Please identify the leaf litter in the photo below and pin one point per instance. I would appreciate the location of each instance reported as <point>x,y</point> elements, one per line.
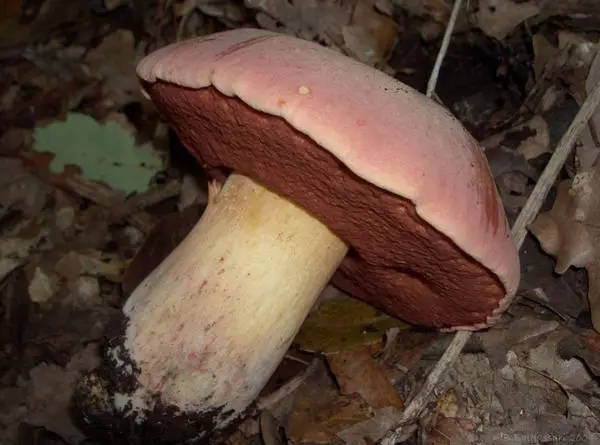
<point>91,199</point>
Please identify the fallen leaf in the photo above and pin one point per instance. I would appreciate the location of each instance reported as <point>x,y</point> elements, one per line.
<point>498,341</point>
<point>572,67</point>
<point>402,352</point>
<point>438,10</point>
<point>43,399</point>
<point>589,147</point>
<point>237,438</point>
<point>270,430</point>
<point>92,263</point>
<point>529,139</point>
<point>340,325</point>
<point>114,61</point>
<point>452,431</point>
<point>191,193</point>
<point>504,161</point>
<point>571,373</point>
<point>447,404</point>
<point>320,412</point>
<point>543,54</point>
<point>104,153</point>
<point>357,27</point>
<point>486,397</point>
<point>43,286</point>
<point>581,413</point>
<point>356,372</point>
<point>109,5</point>
<point>576,53</point>
<point>294,367</point>
<point>305,19</point>
<point>584,346</point>
<point>15,250</point>
<point>371,35</point>
<point>538,143</point>
<point>20,190</point>
<point>84,292</point>
<point>564,295</point>
<point>13,140</point>
<point>371,430</point>
<point>570,231</point>
<point>498,18</point>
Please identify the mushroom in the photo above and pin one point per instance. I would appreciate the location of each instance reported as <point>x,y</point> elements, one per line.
<point>324,168</point>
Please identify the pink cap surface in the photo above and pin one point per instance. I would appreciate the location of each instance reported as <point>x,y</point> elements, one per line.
<point>391,137</point>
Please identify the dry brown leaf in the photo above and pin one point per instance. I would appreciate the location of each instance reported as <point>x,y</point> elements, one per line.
<point>497,342</point>
<point>114,61</point>
<point>543,53</point>
<point>370,37</point>
<point>539,142</point>
<point>498,18</point>
<point>20,190</point>
<point>402,351</point>
<point>545,360</point>
<point>237,438</point>
<point>44,398</point>
<point>489,398</point>
<point>343,324</point>
<point>356,27</point>
<point>438,10</point>
<point>43,285</point>
<point>585,346</point>
<point>270,431</point>
<point>570,60</point>
<point>92,263</point>
<point>452,431</point>
<point>357,372</point>
<point>589,147</point>
<point>373,429</point>
<point>307,19</point>
<point>50,15</point>
<point>570,231</point>
<point>576,53</point>
<point>16,248</point>
<point>320,412</point>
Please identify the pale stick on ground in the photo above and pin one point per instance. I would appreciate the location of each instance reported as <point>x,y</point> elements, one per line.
<point>443,49</point>
<point>405,425</point>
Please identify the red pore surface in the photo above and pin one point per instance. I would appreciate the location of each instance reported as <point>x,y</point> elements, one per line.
<point>391,172</point>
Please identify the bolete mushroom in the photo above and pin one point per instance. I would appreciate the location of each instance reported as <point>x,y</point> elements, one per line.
<point>330,169</point>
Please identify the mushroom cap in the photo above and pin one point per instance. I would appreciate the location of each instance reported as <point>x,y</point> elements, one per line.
<point>390,171</point>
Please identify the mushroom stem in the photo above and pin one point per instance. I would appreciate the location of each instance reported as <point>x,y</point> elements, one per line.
<point>209,326</point>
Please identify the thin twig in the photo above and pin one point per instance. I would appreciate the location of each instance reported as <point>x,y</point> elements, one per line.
<point>519,231</point>
<point>413,410</point>
<point>435,73</point>
<point>550,173</point>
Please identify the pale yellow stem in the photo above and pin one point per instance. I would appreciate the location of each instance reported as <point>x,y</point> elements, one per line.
<point>209,326</point>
